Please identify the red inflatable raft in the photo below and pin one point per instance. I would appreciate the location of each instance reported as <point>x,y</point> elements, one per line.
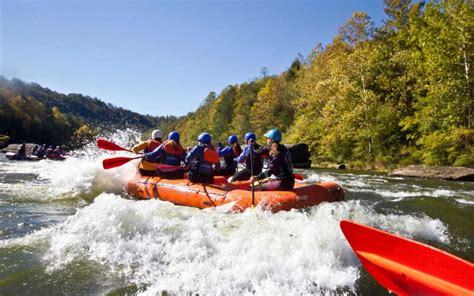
<point>183,192</point>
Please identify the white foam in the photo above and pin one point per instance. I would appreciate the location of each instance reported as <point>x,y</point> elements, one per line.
<point>80,173</point>
<point>465,201</point>
<point>162,247</point>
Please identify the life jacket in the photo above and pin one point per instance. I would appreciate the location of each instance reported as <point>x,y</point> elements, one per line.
<point>171,148</point>
<point>152,145</point>
<point>173,153</point>
<point>211,155</point>
<point>281,165</point>
<point>204,164</point>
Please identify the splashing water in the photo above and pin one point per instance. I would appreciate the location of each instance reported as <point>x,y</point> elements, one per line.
<point>102,241</point>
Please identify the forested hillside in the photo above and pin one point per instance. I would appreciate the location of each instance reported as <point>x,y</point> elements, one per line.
<point>401,93</point>
<point>397,94</point>
<point>29,112</point>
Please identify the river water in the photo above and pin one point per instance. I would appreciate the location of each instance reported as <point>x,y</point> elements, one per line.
<point>69,228</point>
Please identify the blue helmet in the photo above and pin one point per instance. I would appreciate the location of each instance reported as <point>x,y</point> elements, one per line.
<point>204,138</point>
<point>249,136</point>
<point>174,135</point>
<point>233,139</point>
<point>274,134</point>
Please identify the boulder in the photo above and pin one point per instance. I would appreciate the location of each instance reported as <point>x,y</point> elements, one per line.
<point>441,172</point>
<point>302,165</point>
<point>299,152</point>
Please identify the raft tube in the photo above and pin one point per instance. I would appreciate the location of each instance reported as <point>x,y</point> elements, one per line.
<point>183,192</point>
<point>55,157</point>
<point>12,156</point>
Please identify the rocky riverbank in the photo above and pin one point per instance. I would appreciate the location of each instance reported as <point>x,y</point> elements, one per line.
<point>441,172</point>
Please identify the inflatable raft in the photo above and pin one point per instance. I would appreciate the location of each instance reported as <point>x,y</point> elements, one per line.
<point>12,156</point>
<point>183,192</point>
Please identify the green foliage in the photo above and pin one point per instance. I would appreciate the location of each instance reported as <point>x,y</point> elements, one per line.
<point>401,93</point>
<point>83,135</point>
<point>4,139</point>
<point>221,114</point>
<point>29,112</point>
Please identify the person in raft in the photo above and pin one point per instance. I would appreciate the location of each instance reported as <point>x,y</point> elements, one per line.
<point>279,175</point>
<point>49,151</point>
<point>21,153</point>
<point>201,160</point>
<point>170,153</point>
<point>229,153</point>
<point>244,157</point>
<point>145,167</point>
<point>42,151</point>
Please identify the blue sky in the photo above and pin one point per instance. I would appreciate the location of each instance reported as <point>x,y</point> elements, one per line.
<point>162,57</point>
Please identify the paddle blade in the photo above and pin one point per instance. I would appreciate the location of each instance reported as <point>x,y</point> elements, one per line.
<point>116,161</point>
<point>107,145</point>
<point>407,267</point>
<point>298,176</point>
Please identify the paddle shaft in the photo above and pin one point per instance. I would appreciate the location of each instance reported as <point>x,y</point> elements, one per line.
<point>251,172</point>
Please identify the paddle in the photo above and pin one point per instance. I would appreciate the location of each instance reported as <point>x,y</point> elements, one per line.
<point>407,267</point>
<point>117,161</point>
<point>298,176</point>
<point>251,171</point>
<point>107,145</point>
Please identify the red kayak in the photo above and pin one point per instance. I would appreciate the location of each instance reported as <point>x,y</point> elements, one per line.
<point>407,267</point>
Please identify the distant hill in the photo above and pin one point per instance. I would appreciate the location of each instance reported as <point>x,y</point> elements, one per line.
<point>30,112</point>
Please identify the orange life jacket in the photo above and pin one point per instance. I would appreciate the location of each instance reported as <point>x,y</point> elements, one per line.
<point>211,155</point>
<point>173,148</point>
<point>152,145</point>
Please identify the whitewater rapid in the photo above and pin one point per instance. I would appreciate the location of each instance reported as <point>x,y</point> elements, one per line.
<point>157,246</point>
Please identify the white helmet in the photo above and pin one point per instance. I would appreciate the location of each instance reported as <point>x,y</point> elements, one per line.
<point>157,134</point>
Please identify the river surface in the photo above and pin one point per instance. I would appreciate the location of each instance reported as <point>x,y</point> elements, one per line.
<point>68,227</point>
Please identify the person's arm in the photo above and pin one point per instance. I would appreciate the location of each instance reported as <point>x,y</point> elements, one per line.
<point>140,146</point>
<point>263,151</point>
<point>155,154</point>
<point>262,175</point>
<point>241,158</point>
<point>193,154</point>
<point>182,157</point>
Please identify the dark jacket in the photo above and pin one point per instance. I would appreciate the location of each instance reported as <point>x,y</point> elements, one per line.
<point>280,166</point>
<point>257,154</point>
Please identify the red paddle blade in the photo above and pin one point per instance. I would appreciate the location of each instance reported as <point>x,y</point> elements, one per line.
<point>116,161</point>
<point>407,267</point>
<point>107,145</point>
<point>298,176</point>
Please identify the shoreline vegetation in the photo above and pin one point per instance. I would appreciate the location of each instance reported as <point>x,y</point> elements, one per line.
<point>376,98</point>
<point>415,171</point>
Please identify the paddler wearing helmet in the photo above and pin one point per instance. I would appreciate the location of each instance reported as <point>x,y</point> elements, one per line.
<point>201,160</point>
<point>229,152</point>
<point>279,174</point>
<point>250,160</point>
<point>170,153</point>
<point>146,168</point>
